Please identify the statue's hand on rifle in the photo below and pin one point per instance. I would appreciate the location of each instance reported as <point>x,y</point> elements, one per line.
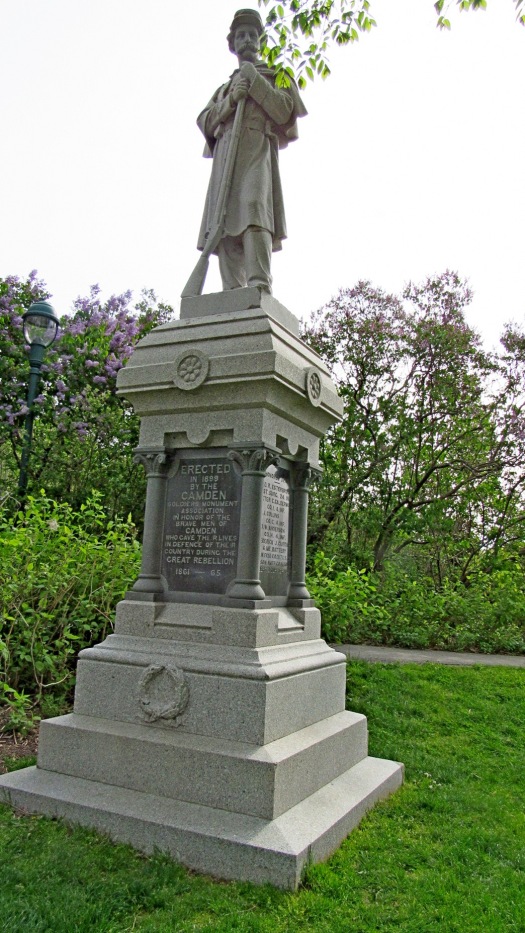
<point>248,72</point>
<point>239,89</point>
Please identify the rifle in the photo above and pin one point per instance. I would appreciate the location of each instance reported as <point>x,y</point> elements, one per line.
<point>195,283</point>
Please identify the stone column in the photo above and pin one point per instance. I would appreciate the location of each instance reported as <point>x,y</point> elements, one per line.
<point>301,477</point>
<point>253,461</point>
<point>155,463</point>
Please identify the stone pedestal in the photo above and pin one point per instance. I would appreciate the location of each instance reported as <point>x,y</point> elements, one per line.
<point>211,724</point>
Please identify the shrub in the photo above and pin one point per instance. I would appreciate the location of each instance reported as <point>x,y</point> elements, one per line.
<point>349,602</point>
<point>396,609</point>
<point>62,574</point>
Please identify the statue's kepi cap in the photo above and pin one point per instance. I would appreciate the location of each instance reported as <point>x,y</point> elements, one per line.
<point>245,18</point>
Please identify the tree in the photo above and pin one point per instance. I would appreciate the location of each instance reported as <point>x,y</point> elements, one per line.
<point>428,456</point>
<point>300,31</point>
<point>84,433</point>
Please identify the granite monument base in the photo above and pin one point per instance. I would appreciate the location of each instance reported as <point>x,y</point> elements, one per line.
<point>216,735</point>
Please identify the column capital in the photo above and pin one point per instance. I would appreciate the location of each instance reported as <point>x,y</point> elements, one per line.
<point>254,459</point>
<point>302,475</point>
<point>155,460</point>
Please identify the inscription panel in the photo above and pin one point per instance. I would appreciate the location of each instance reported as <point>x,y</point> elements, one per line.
<point>275,532</point>
<point>201,529</point>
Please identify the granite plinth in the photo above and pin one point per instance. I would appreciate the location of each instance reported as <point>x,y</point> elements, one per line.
<point>256,695</point>
<point>238,300</point>
<point>223,773</point>
<point>231,846</point>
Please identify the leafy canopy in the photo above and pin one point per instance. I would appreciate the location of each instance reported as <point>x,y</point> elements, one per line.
<point>428,464</point>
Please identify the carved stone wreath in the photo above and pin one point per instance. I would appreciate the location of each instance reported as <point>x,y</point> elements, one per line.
<point>163,694</point>
<point>313,386</point>
<point>191,369</point>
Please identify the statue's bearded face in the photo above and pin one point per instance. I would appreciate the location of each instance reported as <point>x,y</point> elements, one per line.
<point>246,43</point>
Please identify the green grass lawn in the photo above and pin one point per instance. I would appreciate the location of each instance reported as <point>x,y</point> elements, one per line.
<point>445,853</point>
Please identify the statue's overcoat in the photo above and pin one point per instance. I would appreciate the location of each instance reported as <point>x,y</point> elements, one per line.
<point>269,124</point>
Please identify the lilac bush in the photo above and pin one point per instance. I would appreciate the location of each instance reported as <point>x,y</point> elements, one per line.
<point>427,469</point>
<point>84,433</point>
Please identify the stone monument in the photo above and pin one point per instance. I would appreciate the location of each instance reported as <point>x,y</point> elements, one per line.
<point>211,724</point>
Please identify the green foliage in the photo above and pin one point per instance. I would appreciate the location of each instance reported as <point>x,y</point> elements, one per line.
<point>300,32</point>
<point>62,574</point>
<point>441,6</point>
<point>348,601</point>
<point>394,608</point>
<point>19,704</point>
<point>444,854</point>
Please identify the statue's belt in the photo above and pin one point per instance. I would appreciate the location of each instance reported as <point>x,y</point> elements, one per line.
<point>260,124</point>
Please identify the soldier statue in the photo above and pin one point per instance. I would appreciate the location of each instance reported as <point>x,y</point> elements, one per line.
<point>252,224</point>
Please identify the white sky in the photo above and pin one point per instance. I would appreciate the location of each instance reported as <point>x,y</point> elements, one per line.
<point>411,159</point>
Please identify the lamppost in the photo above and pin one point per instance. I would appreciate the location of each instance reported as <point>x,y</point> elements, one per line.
<point>40,330</point>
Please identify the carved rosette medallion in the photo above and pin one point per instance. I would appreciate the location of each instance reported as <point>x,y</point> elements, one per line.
<point>163,694</point>
<point>191,369</point>
<point>313,385</point>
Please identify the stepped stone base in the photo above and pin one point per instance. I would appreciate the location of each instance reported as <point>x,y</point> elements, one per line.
<point>231,846</point>
<point>256,772</point>
<point>259,781</point>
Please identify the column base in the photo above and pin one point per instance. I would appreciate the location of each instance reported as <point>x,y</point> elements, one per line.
<point>246,589</point>
<point>148,583</point>
<point>298,591</point>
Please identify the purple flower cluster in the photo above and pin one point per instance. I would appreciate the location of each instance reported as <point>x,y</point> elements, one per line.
<point>80,368</point>
<point>15,298</point>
